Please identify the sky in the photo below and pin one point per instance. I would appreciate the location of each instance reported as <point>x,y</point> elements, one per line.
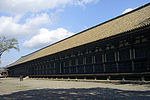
<point>39,23</point>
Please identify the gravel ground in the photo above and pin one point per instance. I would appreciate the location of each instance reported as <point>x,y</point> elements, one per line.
<point>32,89</point>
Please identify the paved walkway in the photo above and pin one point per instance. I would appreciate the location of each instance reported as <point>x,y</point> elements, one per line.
<point>31,89</point>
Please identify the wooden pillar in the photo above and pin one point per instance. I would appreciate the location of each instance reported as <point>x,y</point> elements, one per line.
<point>37,69</point>
<point>54,70</point>
<point>132,55</point>
<point>69,65</point>
<point>93,62</point>
<point>84,64</point>
<point>103,61</point>
<point>41,69</point>
<point>60,67</point>
<point>117,59</point>
<point>76,63</point>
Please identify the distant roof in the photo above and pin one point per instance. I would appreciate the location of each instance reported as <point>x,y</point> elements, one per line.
<point>125,22</point>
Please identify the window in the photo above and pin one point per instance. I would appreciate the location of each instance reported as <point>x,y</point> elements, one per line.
<point>98,58</point>
<point>80,60</point>
<point>124,54</point>
<point>110,56</point>
<point>89,59</point>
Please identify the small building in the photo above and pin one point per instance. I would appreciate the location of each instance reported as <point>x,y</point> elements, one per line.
<point>117,47</point>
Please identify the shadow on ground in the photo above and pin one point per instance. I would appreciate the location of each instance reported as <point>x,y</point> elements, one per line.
<point>81,94</point>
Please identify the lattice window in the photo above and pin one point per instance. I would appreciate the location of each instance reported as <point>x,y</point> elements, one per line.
<point>73,61</point>
<point>80,60</point>
<point>110,56</point>
<point>124,54</point>
<point>98,58</point>
<point>141,52</point>
<point>89,59</point>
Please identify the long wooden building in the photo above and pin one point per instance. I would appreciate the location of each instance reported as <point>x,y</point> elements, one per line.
<point>117,47</point>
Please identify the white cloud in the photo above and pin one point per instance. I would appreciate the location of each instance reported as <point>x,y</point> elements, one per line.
<point>9,26</point>
<point>83,2</point>
<point>23,6</point>
<point>38,20</point>
<point>127,10</point>
<point>46,36</point>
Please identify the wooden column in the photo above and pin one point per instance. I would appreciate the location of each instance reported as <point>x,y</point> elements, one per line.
<point>93,62</point>
<point>117,59</point>
<point>76,63</point>
<point>132,55</point>
<point>103,61</point>
<point>60,67</point>
<point>84,64</point>
<point>69,66</point>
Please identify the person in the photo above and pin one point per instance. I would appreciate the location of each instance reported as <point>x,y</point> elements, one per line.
<point>21,78</point>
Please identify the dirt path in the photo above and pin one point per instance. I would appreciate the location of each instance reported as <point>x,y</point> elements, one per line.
<point>12,88</point>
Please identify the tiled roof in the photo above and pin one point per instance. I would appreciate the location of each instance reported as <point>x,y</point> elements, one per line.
<point>122,23</point>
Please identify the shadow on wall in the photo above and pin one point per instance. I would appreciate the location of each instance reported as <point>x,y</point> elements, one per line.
<point>83,94</point>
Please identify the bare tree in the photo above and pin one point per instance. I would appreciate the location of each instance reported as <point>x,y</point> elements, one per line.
<point>7,44</point>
